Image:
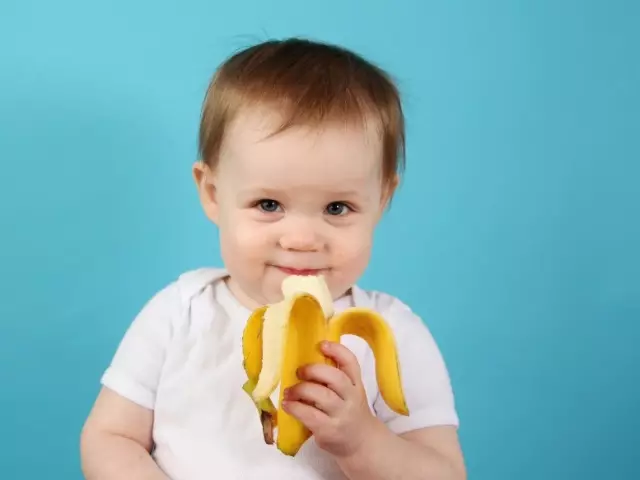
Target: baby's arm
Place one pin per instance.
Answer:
(428, 453)
(116, 441)
(425, 444)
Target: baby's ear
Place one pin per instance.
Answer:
(204, 179)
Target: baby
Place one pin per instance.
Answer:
(301, 147)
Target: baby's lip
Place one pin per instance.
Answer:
(299, 271)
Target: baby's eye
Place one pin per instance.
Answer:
(337, 208)
(268, 205)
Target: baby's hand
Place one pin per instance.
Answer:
(331, 402)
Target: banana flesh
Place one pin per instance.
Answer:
(311, 285)
(280, 338)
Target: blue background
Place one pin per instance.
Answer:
(515, 234)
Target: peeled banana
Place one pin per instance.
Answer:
(280, 338)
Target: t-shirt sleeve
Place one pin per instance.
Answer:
(135, 369)
(424, 375)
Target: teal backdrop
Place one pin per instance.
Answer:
(515, 235)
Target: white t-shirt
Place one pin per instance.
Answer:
(182, 358)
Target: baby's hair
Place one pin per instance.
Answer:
(308, 83)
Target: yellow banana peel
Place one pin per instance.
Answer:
(252, 354)
(280, 338)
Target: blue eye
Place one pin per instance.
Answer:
(337, 209)
(268, 205)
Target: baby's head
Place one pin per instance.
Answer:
(301, 145)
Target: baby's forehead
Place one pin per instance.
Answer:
(325, 167)
(307, 179)
(257, 136)
(318, 174)
(330, 157)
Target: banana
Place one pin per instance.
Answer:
(280, 338)
(372, 328)
(252, 363)
(312, 285)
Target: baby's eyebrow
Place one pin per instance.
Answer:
(260, 191)
(275, 191)
(346, 193)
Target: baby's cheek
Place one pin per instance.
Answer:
(353, 248)
(350, 260)
(252, 239)
(358, 259)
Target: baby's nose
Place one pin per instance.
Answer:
(302, 238)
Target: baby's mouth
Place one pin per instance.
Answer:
(298, 271)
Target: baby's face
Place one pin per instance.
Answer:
(305, 201)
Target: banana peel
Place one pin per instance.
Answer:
(252, 363)
(280, 338)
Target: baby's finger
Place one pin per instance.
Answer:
(345, 360)
(334, 378)
(309, 416)
(314, 394)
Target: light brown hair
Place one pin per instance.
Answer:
(308, 83)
